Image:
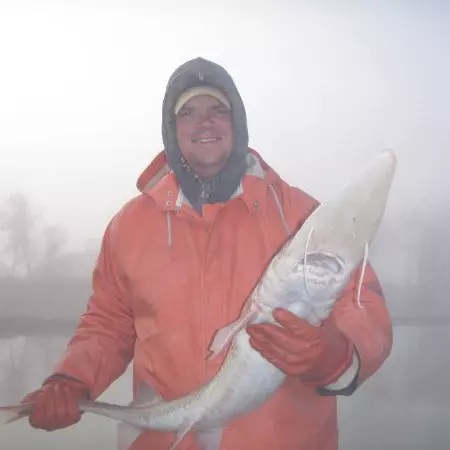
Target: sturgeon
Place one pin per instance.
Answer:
(306, 276)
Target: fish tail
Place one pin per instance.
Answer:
(11, 413)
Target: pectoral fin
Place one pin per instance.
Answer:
(225, 335)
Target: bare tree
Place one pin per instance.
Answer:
(55, 239)
(17, 222)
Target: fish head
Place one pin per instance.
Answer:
(313, 268)
(307, 285)
(344, 225)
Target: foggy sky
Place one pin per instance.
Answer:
(326, 86)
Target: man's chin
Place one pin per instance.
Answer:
(209, 169)
(208, 165)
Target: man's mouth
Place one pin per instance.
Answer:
(209, 140)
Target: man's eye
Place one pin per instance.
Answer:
(184, 113)
(223, 110)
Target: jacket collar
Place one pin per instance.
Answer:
(160, 183)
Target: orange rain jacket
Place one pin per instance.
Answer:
(166, 279)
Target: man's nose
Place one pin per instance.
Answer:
(205, 119)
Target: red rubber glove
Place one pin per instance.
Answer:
(56, 403)
(317, 355)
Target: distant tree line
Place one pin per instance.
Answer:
(44, 287)
(31, 249)
(412, 257)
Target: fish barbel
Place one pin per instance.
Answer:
(306, 276)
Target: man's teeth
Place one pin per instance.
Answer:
(207, 140)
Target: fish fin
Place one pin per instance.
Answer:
(145, 395)
(210, 439)
(185, 428)
(222, 338)
(126, 435)
(226, 334)
(11, 413)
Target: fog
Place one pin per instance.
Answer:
(326, 86)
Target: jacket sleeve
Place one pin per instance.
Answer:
(103, 343)
(367, 325)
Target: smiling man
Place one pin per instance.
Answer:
(178, 262)
(204, 130)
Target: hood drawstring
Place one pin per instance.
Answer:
(169, 229)
(286, 226)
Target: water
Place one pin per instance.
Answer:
(406, 406)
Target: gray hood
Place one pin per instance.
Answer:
(220, 188)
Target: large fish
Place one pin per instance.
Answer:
(306, 276)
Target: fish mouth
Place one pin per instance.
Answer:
(322, 261)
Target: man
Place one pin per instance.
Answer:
(177, 263)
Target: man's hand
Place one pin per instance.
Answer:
(317, 355)
(56, 403)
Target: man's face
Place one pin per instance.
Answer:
(205, 134)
